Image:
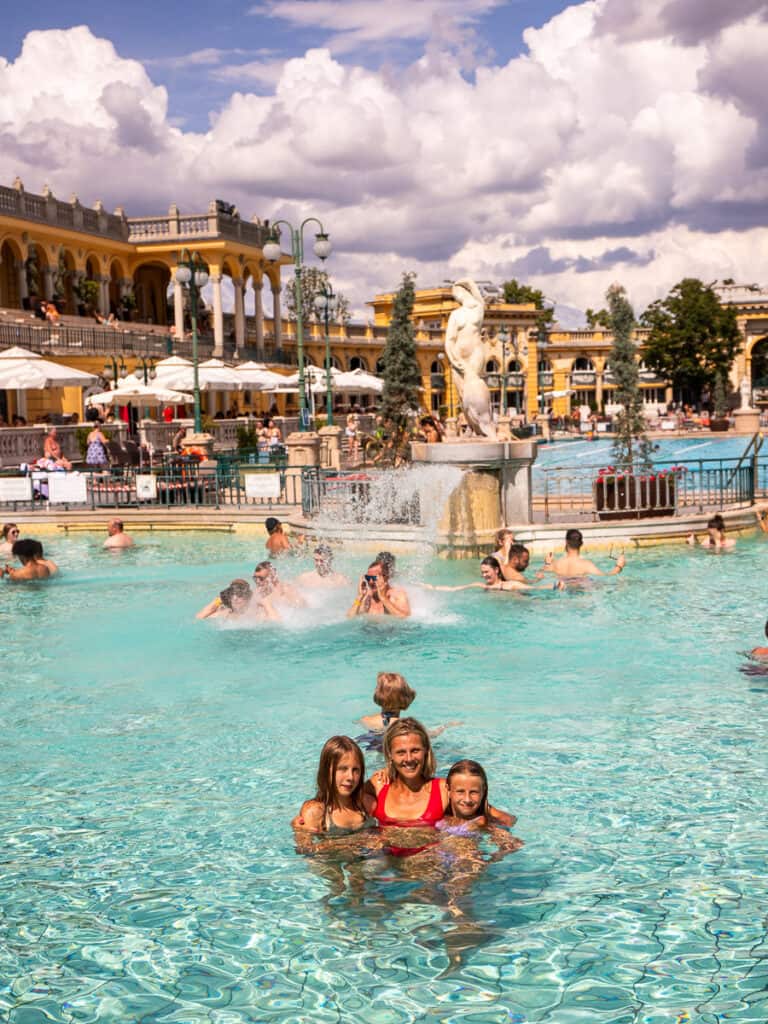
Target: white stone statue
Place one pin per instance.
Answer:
(746, 393)
(466, 354)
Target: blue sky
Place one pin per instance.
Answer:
(568, 145)
(157, 33)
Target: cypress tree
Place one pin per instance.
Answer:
(401, 370)
(631, 446)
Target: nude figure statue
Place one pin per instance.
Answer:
(466, 354)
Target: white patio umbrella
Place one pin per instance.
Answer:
(213, 375)
(257, 377)
(358, 381)
(25, 370)
(128, 391)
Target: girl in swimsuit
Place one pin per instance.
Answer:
(468, 804)
(341, 806)
(407, 794)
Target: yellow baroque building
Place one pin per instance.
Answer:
(49, 247)
(559, 369)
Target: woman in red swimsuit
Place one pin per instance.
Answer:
(407, 794)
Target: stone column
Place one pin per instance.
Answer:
(48, 275)
(258, 312)
(239, 314)
(178, 306)
(104, 295)
(218, 316)
(599, 389)
(21, 270)
(277, 315)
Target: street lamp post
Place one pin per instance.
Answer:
(114, 372)
(503, 338)
(272, 252)
(145, 368)
(192, 273)
(325, 304)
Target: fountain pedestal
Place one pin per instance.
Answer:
(495, 490)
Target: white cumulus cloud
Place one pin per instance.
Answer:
(620, 144)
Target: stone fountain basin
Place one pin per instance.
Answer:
(473, 452)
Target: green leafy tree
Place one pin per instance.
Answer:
(400, 369)
(312, 281)
(692, 337)
(598, 318)
(518, 293)
(631, 446)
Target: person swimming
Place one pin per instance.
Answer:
(393, 695)
(492, 579)
(341, 805)
(572, 565)
(716, 539)
(232, 602)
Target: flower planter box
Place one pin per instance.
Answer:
(634, 497)
(719, 425)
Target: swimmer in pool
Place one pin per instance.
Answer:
(393, 695)
(29, 554)
(491, 572)
(232, 602)
(341, 806)
(572, 565)
(271, 589)
(323, 574)
(716, 539)
(10, 536)
(40, 556)
(377, 596)
(760, 652)
(468, 803)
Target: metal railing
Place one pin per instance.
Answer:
(181, 485)
(355, 496)
(699, 485)
(68, 338)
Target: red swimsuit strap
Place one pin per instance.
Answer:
(432, 812)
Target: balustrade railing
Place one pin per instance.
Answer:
(16, 202)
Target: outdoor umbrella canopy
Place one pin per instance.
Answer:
(358, 380)
(213, 375)
(257, 377)
(25, 370)
(129, 391)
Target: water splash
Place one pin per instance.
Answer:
(411, 496)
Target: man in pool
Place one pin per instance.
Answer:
(277, 541)
(376, 595)
(323, 574)
(268, 585)
(27, 552)
(117, 538)
(573, 565)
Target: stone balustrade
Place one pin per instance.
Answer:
(47, 209)
(25, 444)
(189, 227)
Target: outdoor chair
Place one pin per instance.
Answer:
(133, 452)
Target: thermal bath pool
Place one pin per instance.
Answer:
(151, 763)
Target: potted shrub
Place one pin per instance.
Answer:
(620, 495)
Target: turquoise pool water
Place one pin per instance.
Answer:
(668, 450)
(151, 763)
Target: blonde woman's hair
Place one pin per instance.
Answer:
(392, 692)
(406, 727)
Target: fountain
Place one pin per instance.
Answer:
(458, 492)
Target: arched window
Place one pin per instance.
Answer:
(336, 362)
(513, 366)
(584, 363)
(436, 366)
(545, 366)
(357, 363)
(491, 366)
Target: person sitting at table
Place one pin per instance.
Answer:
(52, 451)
